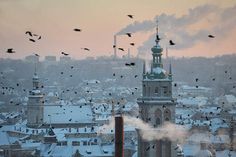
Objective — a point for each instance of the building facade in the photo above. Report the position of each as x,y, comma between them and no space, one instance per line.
156,105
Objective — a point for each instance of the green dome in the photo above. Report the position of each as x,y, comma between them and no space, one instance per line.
156,49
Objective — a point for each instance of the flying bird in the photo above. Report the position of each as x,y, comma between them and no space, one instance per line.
132,44
122,49
39,37
171,42
147,148
130,16
10,50
132,64
87,49
36,54
32,40
77,30
28,32
129,34
211,36
65,54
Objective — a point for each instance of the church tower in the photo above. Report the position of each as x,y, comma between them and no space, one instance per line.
156,105
35,105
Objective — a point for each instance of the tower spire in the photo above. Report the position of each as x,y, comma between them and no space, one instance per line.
157,35
35,68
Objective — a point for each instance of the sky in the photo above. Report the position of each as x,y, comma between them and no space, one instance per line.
187,23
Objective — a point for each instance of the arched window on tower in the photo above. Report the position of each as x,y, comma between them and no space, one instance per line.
149,91
158,121
156,90
158,115
167,115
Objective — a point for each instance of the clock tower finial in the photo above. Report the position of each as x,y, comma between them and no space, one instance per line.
157,35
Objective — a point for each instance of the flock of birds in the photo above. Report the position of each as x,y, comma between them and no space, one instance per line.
35,37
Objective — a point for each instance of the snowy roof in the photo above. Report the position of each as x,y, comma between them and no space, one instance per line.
96,150
159,70
200,101
225,153
204,153
67,114
230,98
191,150
186,87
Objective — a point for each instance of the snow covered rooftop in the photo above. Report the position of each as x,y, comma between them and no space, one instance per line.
68,114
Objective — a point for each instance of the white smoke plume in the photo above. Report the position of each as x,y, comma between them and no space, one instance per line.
184,30
170,131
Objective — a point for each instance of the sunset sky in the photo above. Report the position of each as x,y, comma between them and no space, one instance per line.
187,22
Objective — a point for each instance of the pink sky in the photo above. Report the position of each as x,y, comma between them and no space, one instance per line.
99,21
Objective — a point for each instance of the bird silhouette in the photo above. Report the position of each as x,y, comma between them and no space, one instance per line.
147,148
122,49
129,34
131,16
77,30
85,48
211,36
65,54
132,44
32,40
10,50
132,64
36,54
171,42
29,33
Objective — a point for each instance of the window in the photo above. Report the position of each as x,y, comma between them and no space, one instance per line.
167,119
165,90
158,121
156,90
75,143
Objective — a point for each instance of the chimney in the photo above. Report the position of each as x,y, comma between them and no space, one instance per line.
119,136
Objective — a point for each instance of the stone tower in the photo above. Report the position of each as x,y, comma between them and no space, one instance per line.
156,105
35,105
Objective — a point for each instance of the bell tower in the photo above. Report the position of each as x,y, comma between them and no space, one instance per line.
156,104
35,105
